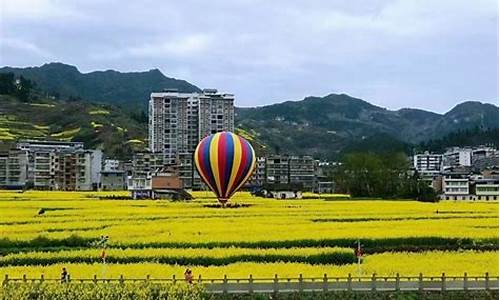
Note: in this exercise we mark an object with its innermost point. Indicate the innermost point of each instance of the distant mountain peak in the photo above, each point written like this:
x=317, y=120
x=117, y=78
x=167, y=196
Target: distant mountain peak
x=58, y=66
x=472, y=104
x=128, y=89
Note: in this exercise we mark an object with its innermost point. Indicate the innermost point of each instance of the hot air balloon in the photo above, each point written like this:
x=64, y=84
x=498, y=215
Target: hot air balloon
x=224, y=161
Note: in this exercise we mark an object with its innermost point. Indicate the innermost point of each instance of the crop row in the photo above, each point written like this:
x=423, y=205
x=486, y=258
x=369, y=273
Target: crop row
x=108, y=291
x=431, y=263
x=370, y=245
x=200, y=257
x=443, y=217
x=140, y=291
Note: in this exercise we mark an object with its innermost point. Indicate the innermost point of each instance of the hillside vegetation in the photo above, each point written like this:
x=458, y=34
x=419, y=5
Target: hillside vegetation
x=330, y=126
x=99, y=126
x=325, y=127
x=130, y=90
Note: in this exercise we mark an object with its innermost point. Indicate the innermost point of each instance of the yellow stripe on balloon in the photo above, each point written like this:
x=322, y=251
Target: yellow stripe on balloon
x=252, y=169
x=214, y=161
x=236, y=163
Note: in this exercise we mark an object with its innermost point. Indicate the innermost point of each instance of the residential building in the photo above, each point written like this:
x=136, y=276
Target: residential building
x=277, y=170
x=485, y=188
x=324, y=186
x=285, y=194
x=428, y=164
x=13, y=169
x=301, y=170
x=113, y=176
x=483, y=158
x=111, y=165
x=61, y=165
x=164, y=183
x=323, y=176
x=455, y=157
x=456, y=186
x=282, y=170
x=216, y=113
x=40, y=145
x=146, y=163
x=75, y=170
x=258, y=177
x=113, y=180
x=178, y=121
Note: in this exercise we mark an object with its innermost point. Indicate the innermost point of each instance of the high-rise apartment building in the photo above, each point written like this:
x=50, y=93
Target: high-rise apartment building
x=178, y=121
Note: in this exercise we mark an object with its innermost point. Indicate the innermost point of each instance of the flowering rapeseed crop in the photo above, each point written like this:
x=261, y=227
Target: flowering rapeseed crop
x=267, y=237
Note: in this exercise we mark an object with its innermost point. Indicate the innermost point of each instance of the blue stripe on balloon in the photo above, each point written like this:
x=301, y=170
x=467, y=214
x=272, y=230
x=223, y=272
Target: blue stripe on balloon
x=208, y=167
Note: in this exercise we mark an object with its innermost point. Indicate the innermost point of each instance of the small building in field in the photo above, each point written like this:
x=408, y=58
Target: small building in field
x=286, y=194
x=162, y=184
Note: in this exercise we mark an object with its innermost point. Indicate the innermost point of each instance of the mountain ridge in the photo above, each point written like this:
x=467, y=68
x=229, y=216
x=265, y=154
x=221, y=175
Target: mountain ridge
x=341, y=122
x=128, y=89
x=324, y=127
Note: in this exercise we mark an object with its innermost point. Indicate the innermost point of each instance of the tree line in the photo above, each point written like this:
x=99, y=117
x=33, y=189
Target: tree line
x=380, y=175
x=463, y=137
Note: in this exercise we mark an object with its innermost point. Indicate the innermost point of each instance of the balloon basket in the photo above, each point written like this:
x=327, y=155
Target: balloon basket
x=223, y=202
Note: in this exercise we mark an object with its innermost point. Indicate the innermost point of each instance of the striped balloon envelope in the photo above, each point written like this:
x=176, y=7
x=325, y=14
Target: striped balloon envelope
x=224, y=161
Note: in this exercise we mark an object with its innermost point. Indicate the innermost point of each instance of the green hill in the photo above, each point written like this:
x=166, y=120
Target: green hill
x=98, y=125
x=329, y=126
x=129, y=90
x=63, y=106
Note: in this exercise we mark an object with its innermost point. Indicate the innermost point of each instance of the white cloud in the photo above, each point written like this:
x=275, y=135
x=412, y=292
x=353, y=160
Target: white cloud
x=25, y=46
x=270, y=50
x=191, y=44
x=35, y=9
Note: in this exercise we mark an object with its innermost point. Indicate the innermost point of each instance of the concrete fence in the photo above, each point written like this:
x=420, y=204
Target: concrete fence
x=303, y=284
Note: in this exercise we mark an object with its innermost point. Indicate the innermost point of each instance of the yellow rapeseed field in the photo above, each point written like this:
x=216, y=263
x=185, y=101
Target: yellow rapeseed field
x=262, y=238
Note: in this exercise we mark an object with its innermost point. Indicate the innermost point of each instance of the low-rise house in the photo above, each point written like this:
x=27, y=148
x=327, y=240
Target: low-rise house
x=13, y=169
x=56, y=165
x=286, y=194
x=485, y=188
x=162, y=184
x=456, y=186
x=324, y=186
x=455, y=157
x=113, y=180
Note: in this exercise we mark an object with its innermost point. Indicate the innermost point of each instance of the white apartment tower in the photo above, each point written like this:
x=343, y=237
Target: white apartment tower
x=178, y=121
x=428, y=164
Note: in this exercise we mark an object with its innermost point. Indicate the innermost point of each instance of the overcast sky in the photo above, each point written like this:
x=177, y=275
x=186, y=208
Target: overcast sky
x=424, y=54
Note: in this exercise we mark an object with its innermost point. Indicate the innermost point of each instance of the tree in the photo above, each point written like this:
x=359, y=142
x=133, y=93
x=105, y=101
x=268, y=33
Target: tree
x=7, y=86
x=140, y=116
x=23, y=89
x=376, y=175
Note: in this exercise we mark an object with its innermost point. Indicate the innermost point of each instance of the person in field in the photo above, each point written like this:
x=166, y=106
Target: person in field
x=188, y=276
x=64, y=275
